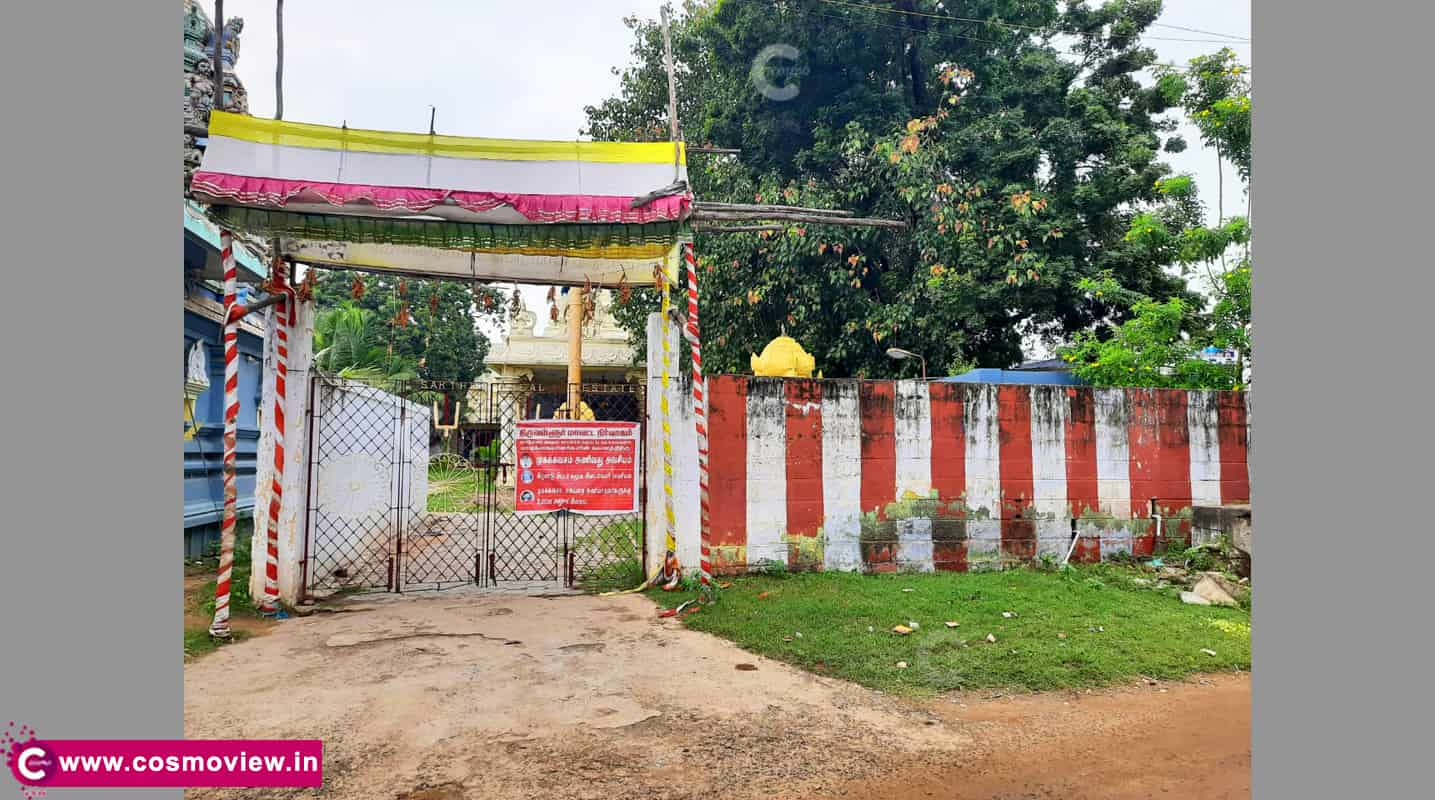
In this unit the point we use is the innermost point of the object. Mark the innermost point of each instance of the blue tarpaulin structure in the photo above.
(1052, 372)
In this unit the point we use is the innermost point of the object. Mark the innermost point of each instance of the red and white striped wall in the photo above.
(804, 468)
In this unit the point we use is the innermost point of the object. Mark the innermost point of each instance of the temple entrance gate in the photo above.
(412, 487)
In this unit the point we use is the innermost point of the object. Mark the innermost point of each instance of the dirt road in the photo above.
(1192, 740)
(458, 696)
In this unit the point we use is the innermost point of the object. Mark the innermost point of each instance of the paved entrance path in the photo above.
(522, 696)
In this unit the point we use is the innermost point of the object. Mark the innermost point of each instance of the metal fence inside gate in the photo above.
(411, 486)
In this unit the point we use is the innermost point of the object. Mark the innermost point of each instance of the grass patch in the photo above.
(198, 642)
(1115, 629)
(199, 596)
(613, 577)
(455, 482)
(456, 493)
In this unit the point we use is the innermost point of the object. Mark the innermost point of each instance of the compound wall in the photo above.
(886, 475)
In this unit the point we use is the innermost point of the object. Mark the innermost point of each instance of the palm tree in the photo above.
(348, 342)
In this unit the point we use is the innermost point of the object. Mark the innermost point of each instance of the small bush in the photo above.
(772, 567)
(239, 598)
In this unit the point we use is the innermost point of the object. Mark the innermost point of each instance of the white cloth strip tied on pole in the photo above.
(700, 421)
(220, 626)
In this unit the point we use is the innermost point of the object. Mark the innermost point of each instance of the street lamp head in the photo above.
(902, 355)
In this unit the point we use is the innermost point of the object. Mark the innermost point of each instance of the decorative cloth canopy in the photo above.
(448, 206)
(578, 241)
(264, 163)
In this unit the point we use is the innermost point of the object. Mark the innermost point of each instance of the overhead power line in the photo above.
(1010, 25)
(1198, 30)
(951, 35)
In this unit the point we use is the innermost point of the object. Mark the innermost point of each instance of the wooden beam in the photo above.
(575, 351)
(278, 81)
(677, 187)
(812, 219)
(428, 262)
(672, 93)
(706, 228)
(279, 59)
(708, 205)
(219, 55)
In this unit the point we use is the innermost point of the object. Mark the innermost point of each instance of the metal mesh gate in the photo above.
(411, 486)
(588, 550)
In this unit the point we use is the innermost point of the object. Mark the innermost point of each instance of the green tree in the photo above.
(1159, 346)
(425, 328)
(1019, 165)
(348, 342)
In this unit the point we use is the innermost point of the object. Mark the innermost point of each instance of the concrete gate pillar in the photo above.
(686, 508)
(296, 453)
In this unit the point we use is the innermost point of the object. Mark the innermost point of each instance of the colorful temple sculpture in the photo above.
(199, 80)
(204, 313)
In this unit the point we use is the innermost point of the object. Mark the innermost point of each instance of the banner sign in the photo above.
(583, 467)
(1218, 356)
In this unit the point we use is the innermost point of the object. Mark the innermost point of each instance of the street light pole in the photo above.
(899, 354)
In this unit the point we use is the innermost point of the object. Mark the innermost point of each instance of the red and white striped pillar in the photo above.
(699, 417)
(284, 316)
(220, 626)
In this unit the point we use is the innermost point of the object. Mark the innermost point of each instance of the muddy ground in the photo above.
(488, 696)
(243, 623)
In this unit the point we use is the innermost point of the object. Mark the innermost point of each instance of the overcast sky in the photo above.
(525, 70)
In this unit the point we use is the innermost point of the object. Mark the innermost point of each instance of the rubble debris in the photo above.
(1191, 598)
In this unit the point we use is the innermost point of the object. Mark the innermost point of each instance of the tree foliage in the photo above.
(1160, 344)
(349, 342)
(1019, 162)
(1215, 91)
(389, 326)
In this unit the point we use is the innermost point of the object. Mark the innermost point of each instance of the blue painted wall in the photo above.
(203, 455)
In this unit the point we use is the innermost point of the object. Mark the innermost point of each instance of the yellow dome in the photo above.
(783, 358)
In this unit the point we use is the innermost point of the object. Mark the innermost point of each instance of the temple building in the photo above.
(203, 414)
(527, 374)
(524, 355)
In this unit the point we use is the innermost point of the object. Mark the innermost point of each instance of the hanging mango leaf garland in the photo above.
(625, 292)
(454, 348)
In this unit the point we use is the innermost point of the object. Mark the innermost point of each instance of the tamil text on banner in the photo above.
(583, 467)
